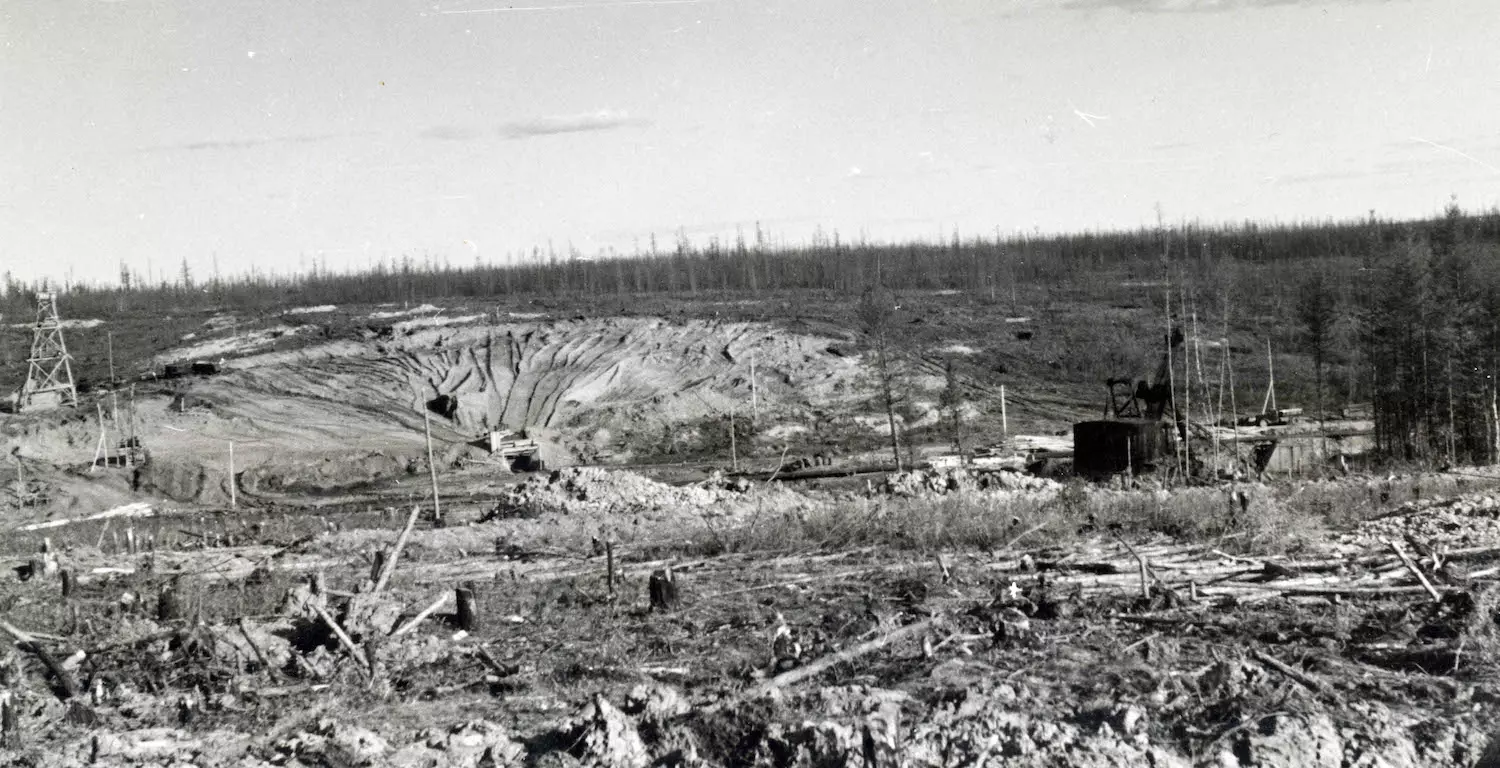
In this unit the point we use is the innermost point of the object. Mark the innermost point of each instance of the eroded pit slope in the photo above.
(334, 415)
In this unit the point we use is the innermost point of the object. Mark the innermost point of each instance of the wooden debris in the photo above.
(495, 665)
(169, 603)
(255, 649)
(65, 680)
(1317, 685)
(798, 674)
(144, 746)
(421, 616)
(343, 637)
(1140, 560)
(1415, 571)
(468, 608)
(377, 565)
(609, 566)
(389, 567)
(10, 726)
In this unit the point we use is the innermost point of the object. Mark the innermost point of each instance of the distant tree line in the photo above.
(986, 264)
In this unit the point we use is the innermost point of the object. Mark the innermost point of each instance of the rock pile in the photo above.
(936, 482)
(594, 491)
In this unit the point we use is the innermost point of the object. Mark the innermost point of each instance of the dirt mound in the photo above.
(936, 482)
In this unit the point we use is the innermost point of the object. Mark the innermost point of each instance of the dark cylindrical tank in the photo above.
(1100, 448)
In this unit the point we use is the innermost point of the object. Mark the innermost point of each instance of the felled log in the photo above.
(154, 745)
(1435, 659)
(66, 683)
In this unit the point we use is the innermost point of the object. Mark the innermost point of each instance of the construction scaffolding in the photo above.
(49, 379)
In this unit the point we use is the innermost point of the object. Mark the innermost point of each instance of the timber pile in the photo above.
(1205, 574)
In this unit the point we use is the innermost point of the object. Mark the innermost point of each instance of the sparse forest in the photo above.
(1402, 315)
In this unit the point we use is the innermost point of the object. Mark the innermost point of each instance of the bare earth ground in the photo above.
(934, 618)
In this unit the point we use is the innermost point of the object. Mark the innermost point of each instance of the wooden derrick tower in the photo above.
(49, 379)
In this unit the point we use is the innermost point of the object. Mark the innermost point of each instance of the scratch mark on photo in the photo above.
(1086, 116)
(1458, 152)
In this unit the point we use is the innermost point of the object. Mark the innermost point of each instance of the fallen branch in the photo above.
(421, 616)
(1410, 566)
(664, 671)
(797, 675)
(267, 693)
(502, 670)
(806, 579)
(1172, 621)
(1318, 685)
(1023, 534)
(1146, 574)
(1235, 558)
(1320, 591)
(343, 637)
(65, 678)
(259, 656)
(1140, 642)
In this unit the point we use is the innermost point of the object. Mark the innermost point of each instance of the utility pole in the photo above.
(754, 395)
(233, 502)
(1270, 388)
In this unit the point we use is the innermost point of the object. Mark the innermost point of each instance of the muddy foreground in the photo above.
(224, 647)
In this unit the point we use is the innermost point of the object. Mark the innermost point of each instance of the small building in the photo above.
(1112, 446)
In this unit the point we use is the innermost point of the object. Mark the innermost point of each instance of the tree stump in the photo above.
(468, 608)
(168, 603)
(377, 565)
(10, 731)
(663, 589)
(69, 583)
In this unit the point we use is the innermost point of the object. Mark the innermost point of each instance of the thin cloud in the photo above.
(249, 143)
(568, 6)
(603, 120)
(1193, 6)
(449, 133)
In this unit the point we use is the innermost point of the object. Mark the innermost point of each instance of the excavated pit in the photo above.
(336, 416)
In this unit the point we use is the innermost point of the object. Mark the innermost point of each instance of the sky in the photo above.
(286, 133)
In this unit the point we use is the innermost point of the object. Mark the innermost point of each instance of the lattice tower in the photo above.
(49, 379)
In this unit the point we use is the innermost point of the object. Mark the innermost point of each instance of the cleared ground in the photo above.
(935, 618)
